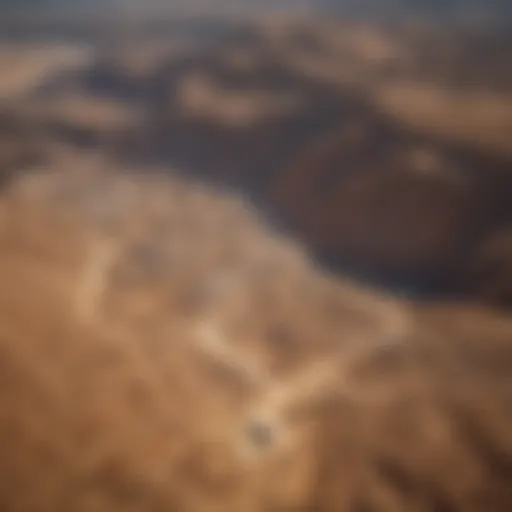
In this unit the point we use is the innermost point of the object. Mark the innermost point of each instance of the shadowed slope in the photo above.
(386, 147)
(161, 350)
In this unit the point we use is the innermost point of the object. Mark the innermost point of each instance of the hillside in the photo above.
(254, 264)
(385, 148)
(161, 349)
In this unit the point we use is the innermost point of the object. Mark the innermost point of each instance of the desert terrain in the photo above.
(255, 264)
(385, 147)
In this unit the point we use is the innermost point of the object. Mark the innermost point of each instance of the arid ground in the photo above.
(255, 265)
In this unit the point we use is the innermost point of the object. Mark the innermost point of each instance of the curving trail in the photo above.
(161, 349)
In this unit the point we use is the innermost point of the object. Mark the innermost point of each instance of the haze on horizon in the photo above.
(457, 9)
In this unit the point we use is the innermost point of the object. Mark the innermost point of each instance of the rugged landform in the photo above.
(255, 266)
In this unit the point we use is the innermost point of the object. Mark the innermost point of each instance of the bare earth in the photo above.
(178, 220)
